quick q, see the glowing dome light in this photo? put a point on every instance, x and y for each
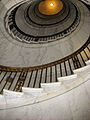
(50, 7)
(51, 4)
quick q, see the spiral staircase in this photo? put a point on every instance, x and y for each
(58, 90)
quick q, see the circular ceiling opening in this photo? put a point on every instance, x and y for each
(50, 7)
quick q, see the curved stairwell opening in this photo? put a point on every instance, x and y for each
(55, 89)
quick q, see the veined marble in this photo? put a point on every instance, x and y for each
(70, 102)
(14, 53)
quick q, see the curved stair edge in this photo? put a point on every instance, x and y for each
(11, 99)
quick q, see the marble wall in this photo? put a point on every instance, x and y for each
(14, 53)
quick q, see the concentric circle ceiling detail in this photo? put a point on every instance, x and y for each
(26, 23)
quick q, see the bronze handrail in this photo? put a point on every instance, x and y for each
(19, 69)
(36, 73)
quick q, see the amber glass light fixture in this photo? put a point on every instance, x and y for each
(50, 7)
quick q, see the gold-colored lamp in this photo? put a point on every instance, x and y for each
(50, 7)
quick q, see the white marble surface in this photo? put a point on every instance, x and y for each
(14, 53)
(67, 79)
(83, 75)
(88, 62)
(72, 102)
(72, 105)
(12, 94)
(51, 87)
(33, 92)
(83, 72)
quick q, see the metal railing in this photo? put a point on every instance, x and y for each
(14, 78)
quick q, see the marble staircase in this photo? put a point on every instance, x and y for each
(68, 95)
(66, 99)
(28, 96)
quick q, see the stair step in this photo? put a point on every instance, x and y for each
(67, 79)
(51, 87)
(12, 94)
(83, 72)
(88, 62)
(33, 92)
(2, 101)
